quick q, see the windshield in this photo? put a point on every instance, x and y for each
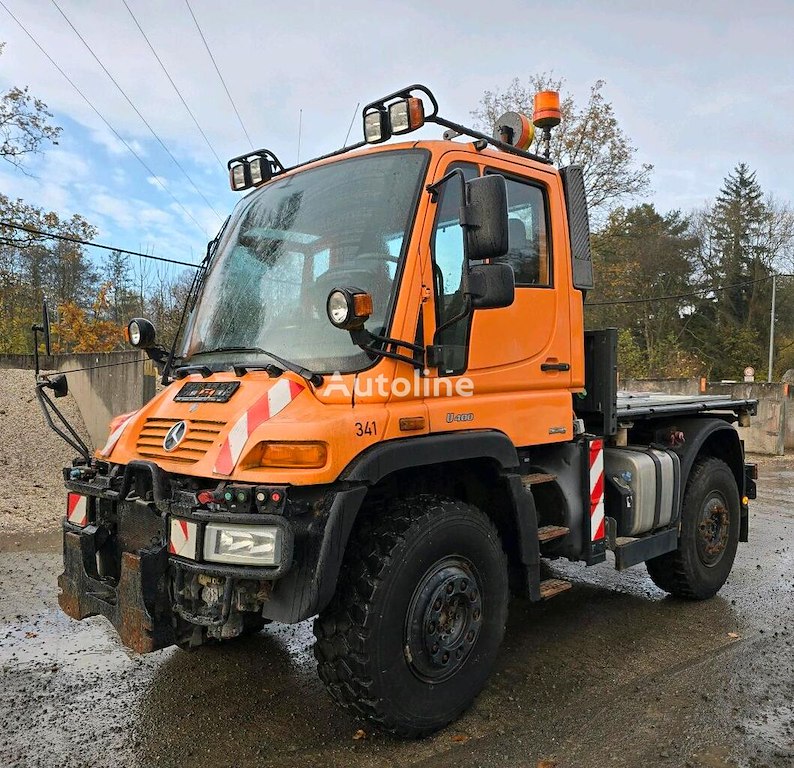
(292, 242)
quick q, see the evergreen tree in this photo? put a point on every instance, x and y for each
(731, 327)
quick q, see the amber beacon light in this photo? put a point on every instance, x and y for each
(546, 115)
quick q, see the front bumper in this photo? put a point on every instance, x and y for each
(123, 564)
(136, 604)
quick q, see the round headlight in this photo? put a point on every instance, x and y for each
(135, 333)
(141, 333)
(338, 308)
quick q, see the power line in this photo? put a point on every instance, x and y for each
(678, 295)
(173, 84)
(67, 238)
(137, 111)
(104, 120)
(220, 76)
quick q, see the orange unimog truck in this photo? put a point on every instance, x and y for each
(384, 412)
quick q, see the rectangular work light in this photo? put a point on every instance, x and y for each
(259, 170)
(239, 176)
(376, 126)
(242, 544)
(406, 115)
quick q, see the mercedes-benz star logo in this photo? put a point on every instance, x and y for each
(174, 436)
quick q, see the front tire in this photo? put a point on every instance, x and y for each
(413, 631)
(708, 538)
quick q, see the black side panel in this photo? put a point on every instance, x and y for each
(309, 585)
(598, 407)
(384, 458)
(578, 226)
(526, 519)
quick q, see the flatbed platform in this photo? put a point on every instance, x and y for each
(650, 404)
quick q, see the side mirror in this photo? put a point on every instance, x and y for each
(491, 286)
(484, 217)
(46, 327)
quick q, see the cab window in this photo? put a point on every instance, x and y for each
(528, 249)
(448, 265)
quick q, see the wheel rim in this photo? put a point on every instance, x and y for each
(713, 529)
(444, 619)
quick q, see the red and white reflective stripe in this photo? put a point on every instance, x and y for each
(278, 397)
(182, 538)
(77, 509)
(596, 490)
(116, 434)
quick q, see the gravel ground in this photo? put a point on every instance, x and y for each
(32, 497)
(611, 673)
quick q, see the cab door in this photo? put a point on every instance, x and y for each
(515, 361)
(534, 331)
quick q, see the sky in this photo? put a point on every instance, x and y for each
(698, 85)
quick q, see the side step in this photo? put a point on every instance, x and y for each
(551, 587)
(549, 532)
(630, 551)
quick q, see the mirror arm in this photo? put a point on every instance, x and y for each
(72, 438)
(192, 298)
(159, 356)
(363, 338)
(435, 188)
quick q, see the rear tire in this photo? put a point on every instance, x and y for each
(708, 538)
(413, 631)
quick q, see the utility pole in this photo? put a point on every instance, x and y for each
(772, 331)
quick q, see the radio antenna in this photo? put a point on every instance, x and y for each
(300, 128)
(350, 127)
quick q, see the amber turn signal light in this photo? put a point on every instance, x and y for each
(412, 423)
(307, 455)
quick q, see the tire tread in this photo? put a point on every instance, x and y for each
(342, 630)
(674, 572)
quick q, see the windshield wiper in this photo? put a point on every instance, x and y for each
(310, 376)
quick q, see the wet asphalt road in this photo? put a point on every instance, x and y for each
(610, 673)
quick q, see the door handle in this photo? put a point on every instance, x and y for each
(555, 367)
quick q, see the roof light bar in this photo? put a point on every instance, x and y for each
(399, 112)
(253, 169)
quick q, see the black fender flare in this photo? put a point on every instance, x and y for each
(384, 458)
(719, 438)
(369, 468)
(723, 442)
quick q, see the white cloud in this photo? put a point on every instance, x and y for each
(157, 181)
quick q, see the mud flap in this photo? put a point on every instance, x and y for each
(83, 595)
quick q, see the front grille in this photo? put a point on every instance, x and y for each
(199, 437)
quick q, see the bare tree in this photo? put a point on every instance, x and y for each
(589, 136)
(24, 125)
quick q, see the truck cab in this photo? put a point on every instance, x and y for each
(383, 411)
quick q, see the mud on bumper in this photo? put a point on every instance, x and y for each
(136, 604)
(152, 597)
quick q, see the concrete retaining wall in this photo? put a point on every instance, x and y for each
(767, 433)
(115, 382)
(668, 386)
